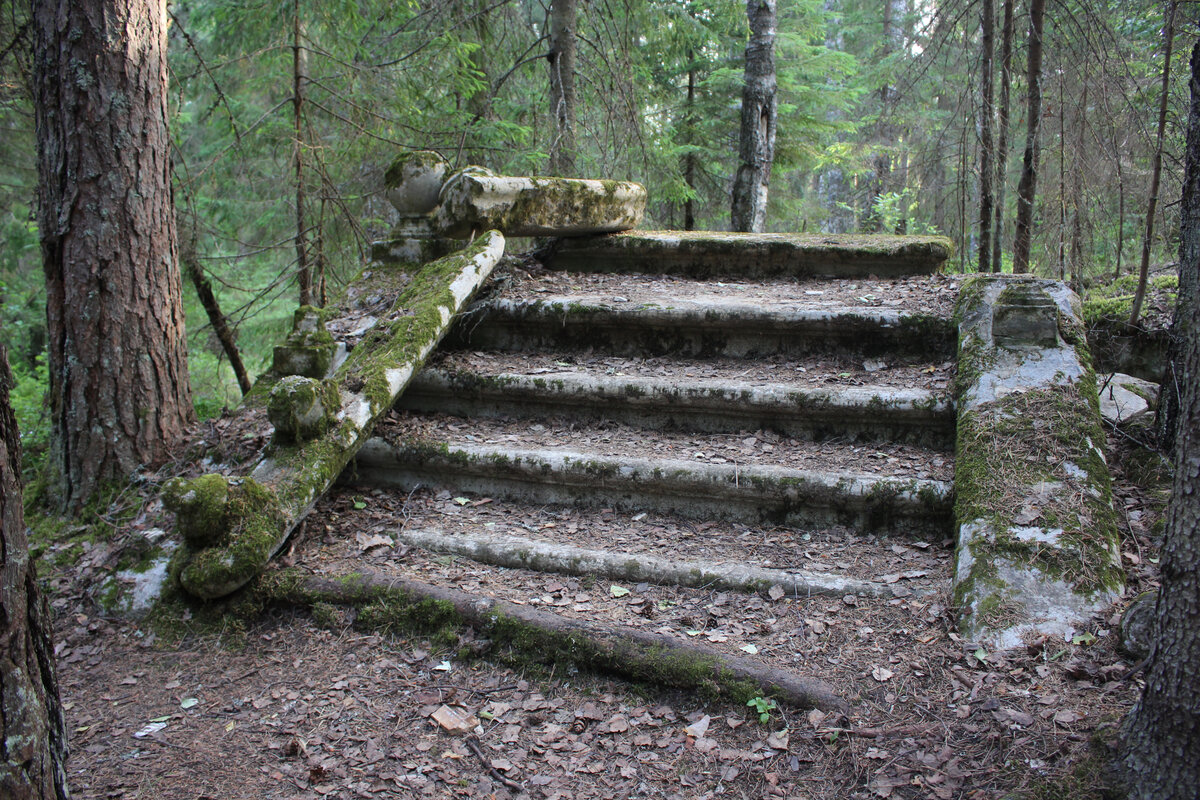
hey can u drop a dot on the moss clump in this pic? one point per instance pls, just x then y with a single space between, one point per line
199 506
302 408
252 526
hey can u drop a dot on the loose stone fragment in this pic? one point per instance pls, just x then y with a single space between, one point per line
414 180
199 506
302 408
1137 625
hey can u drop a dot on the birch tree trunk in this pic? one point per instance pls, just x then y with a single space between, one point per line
1160 752
33 738
756 151
119 393
1027 189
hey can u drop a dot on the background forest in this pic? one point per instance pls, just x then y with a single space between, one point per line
287 112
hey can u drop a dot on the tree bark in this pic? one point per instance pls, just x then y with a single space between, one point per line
1027 189
563 17
33 737
119 391
1160 753
1156 174
986 115
689 159
756 150
1006 41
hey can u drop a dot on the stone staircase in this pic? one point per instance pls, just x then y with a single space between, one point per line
759 402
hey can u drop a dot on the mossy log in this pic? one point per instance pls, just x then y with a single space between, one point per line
520 553
292 472
640 655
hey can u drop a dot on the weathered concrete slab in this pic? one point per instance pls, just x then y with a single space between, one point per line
866 413
473 200
232 525
700 329
1037 536
703 254
756 494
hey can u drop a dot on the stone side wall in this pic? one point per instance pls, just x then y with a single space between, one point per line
1037 536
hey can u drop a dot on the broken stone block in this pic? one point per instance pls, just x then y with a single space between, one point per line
309 349
1024 316
1137 625
1125 399
474 200
302 408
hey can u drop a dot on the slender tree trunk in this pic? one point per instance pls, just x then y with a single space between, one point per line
119 393
986 114
1006 48
299 76
1152 203
563 15
208 299
1120 215
33 738
689 160
1077 189
1062 182
1161 743
1027 189
756 152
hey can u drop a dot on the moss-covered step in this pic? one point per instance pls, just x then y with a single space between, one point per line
232 525
701 328
704 254
750 493
861 413
1037 536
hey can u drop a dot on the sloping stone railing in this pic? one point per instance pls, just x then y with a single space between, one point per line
1037 535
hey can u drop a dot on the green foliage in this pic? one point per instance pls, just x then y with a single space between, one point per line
764 707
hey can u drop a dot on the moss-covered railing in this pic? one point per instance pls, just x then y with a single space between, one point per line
231 526
1037 535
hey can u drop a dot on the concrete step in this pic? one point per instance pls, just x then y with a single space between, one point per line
711 405
717 324
752 255
757 492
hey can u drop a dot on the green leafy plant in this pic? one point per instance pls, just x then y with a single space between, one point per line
764 707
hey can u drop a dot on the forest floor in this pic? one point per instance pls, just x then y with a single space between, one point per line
284 706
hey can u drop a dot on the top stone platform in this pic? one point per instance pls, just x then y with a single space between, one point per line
705 254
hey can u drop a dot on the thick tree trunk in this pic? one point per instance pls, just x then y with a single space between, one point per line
986 116
1006 42
1155 175
119 389
1161 743
756 150
1027 189
33 738
563 16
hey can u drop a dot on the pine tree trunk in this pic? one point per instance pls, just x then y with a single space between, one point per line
1006 41
208 299
119 392
563 14
1156 174
1161 743
33 738
689 160
1027 189
756 151
986 115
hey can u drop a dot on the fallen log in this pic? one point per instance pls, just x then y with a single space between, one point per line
516 552
636 654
